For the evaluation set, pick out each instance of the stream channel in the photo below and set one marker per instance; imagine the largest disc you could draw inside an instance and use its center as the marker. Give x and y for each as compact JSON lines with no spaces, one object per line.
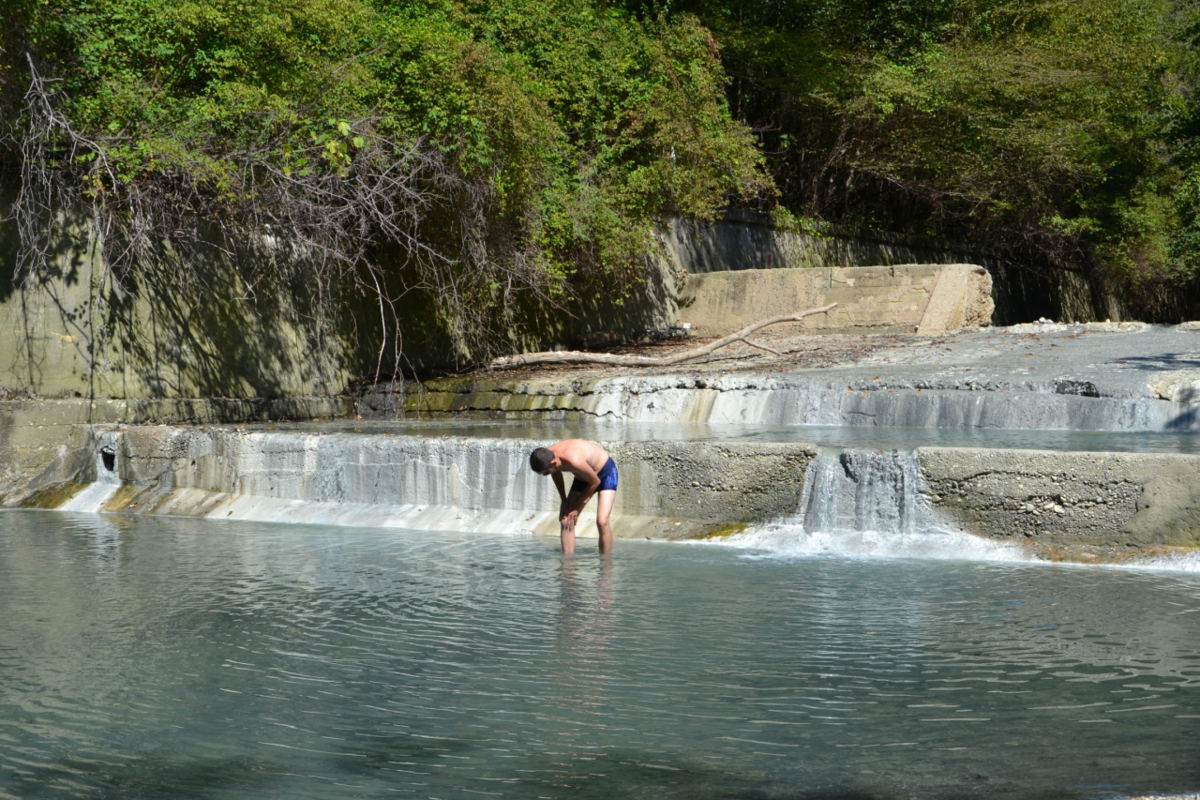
{"x":858,"y":648}
{"x":156,"y":657}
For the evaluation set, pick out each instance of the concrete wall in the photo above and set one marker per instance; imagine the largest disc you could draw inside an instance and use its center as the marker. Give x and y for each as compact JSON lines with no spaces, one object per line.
{"x":1118,"y":501}
{"x":668,"y":489}
{"x":909,"y":298}
{"x":1022,"y":292}
{"x":744,"y":240}
{"x":79,"y":330}
{"x":44,"y":443}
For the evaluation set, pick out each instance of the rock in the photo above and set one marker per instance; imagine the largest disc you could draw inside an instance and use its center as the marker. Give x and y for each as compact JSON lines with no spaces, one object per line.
{"x":1115,"y":327}
{"x":1178,"y":385}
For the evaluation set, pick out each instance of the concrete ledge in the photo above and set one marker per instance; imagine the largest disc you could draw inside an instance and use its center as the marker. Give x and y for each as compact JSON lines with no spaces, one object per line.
{"x":1129,"y":501}
{"x":1076,"y":505}
{"x":929,"y":298}
{"x":47,"y":442}
{"x":668,"y":489}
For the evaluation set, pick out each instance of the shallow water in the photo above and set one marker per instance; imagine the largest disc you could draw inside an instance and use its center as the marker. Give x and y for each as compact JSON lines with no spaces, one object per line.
{"x":823,"y":435}
{"x":168,"y":658}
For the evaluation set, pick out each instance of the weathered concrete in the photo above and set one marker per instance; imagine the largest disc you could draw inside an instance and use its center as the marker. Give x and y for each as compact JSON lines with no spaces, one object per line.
{"x":1059,"y":504}
{"x":75,"y":329}
{"x":962,"y":298}
{"x":1022,"y":292}
{"x":1069,"y":500}
{"x":805,"y":399}
{"x":1057,"y":377}
{"x":668,"y":489}
{"x":44,"y":443}
{"x":744,"y":240}
{"x":925,"y":298}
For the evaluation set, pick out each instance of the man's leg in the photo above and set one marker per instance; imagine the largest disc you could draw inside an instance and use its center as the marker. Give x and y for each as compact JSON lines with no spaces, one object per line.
{"x":604,"y":505}
{"x":567,"y":533}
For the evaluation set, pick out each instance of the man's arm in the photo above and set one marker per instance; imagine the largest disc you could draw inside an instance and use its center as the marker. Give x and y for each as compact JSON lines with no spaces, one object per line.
{"x":562,"y":493}
{"x":584,"y":472}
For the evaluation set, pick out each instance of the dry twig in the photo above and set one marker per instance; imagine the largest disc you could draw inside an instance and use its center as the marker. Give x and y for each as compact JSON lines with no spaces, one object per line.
{"x":578,"y":357}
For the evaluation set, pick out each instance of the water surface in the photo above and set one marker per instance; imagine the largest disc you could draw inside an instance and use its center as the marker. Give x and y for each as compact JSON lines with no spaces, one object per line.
{"x":162,"y":658}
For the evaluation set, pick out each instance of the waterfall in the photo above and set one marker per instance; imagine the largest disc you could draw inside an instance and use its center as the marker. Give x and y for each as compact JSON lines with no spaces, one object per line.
{"x":859,"y":502}
{"x":864,"y":490}
{"x":108,"y":477}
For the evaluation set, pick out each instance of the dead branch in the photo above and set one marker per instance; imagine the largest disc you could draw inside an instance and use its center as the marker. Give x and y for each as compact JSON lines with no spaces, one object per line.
{"x":578,"y":357}
{"x":761,"y":346}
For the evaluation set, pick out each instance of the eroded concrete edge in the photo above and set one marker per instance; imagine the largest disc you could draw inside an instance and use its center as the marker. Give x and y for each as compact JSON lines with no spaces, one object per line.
{"x":46,"y":443}
{"x":1074,"y":504}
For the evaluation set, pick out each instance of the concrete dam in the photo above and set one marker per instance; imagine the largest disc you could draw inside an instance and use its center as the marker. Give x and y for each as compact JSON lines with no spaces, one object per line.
{"x":1095,"y":461}
{"x":1063,"y":440}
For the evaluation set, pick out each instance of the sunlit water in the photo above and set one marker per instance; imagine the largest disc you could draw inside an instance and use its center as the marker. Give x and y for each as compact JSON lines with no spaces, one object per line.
{"x":160,"y":658}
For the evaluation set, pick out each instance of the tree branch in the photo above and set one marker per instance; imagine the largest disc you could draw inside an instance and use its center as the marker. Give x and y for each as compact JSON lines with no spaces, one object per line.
{"x":577,"y":357}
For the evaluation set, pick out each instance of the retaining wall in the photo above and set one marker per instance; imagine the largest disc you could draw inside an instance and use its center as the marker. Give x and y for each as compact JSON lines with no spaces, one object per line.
{"x":911,"y":298}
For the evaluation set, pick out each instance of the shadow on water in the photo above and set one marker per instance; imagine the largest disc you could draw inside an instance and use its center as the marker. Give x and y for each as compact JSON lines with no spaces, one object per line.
{"x":1163,"y":361}
{"x":585,"y":774}
{"x":390,"y":761}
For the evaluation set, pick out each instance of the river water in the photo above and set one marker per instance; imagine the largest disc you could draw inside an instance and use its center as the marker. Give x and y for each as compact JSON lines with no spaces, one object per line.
{"x":171,"y":658}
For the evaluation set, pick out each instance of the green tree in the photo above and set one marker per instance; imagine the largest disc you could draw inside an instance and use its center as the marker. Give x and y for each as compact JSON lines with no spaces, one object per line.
{"x":476,"y":153}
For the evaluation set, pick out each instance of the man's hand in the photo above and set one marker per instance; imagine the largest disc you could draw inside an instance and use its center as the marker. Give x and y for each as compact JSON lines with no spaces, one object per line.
{"x":568,"y":519}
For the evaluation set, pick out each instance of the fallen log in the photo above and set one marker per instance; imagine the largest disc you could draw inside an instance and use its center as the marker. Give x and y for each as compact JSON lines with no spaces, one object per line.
{"x":579,"y":357}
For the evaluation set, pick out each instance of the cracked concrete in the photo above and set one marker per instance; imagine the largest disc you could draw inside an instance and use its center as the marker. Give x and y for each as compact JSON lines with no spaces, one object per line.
{"x":1122,"y":500}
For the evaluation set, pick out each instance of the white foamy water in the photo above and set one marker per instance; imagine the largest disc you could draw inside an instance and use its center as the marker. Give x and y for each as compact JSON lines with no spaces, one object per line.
{"x":861,"y":503}
{"x":1175,"y":562}
{"x":791,"y":540}
{"x":92,"y":497}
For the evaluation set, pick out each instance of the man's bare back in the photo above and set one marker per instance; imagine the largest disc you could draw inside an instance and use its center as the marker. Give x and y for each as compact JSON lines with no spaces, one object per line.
{"x":594,"y":472}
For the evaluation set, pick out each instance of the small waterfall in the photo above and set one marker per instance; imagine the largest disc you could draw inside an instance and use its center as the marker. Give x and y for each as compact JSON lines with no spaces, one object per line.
{"x":108,"y":477}
{"x":859,"y":502}
{"x":863,"y":490}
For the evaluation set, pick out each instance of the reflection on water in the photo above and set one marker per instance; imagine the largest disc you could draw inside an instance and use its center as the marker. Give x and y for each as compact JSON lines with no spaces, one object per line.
{"x":150,"y":657}
{"x":824,"y":435}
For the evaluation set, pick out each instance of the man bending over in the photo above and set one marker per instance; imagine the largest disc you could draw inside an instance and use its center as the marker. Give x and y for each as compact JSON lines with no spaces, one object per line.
{"x":594,"y":472}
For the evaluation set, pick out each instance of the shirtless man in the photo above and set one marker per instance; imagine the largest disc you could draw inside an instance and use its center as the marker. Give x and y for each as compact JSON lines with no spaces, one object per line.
{"x":594,"y":472}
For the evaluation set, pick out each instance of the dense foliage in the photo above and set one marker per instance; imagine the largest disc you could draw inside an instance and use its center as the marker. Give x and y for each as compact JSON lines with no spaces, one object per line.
{"x":1050,"y":134}
{"x":475,"y":152}
{"x":482,"y":153}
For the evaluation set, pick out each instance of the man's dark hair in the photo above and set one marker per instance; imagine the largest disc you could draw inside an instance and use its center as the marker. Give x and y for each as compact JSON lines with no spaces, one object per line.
{"x":541,"y":459}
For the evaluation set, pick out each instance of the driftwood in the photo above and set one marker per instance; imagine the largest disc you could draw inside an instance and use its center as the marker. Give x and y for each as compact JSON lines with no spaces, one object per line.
{"x":578,"y":357}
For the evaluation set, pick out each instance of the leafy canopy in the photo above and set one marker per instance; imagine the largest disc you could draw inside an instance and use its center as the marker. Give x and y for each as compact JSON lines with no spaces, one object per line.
{"x":553,"y":132}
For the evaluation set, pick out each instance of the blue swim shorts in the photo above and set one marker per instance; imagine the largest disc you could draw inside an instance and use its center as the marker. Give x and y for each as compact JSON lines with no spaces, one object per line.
{"x":607,"y":475}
